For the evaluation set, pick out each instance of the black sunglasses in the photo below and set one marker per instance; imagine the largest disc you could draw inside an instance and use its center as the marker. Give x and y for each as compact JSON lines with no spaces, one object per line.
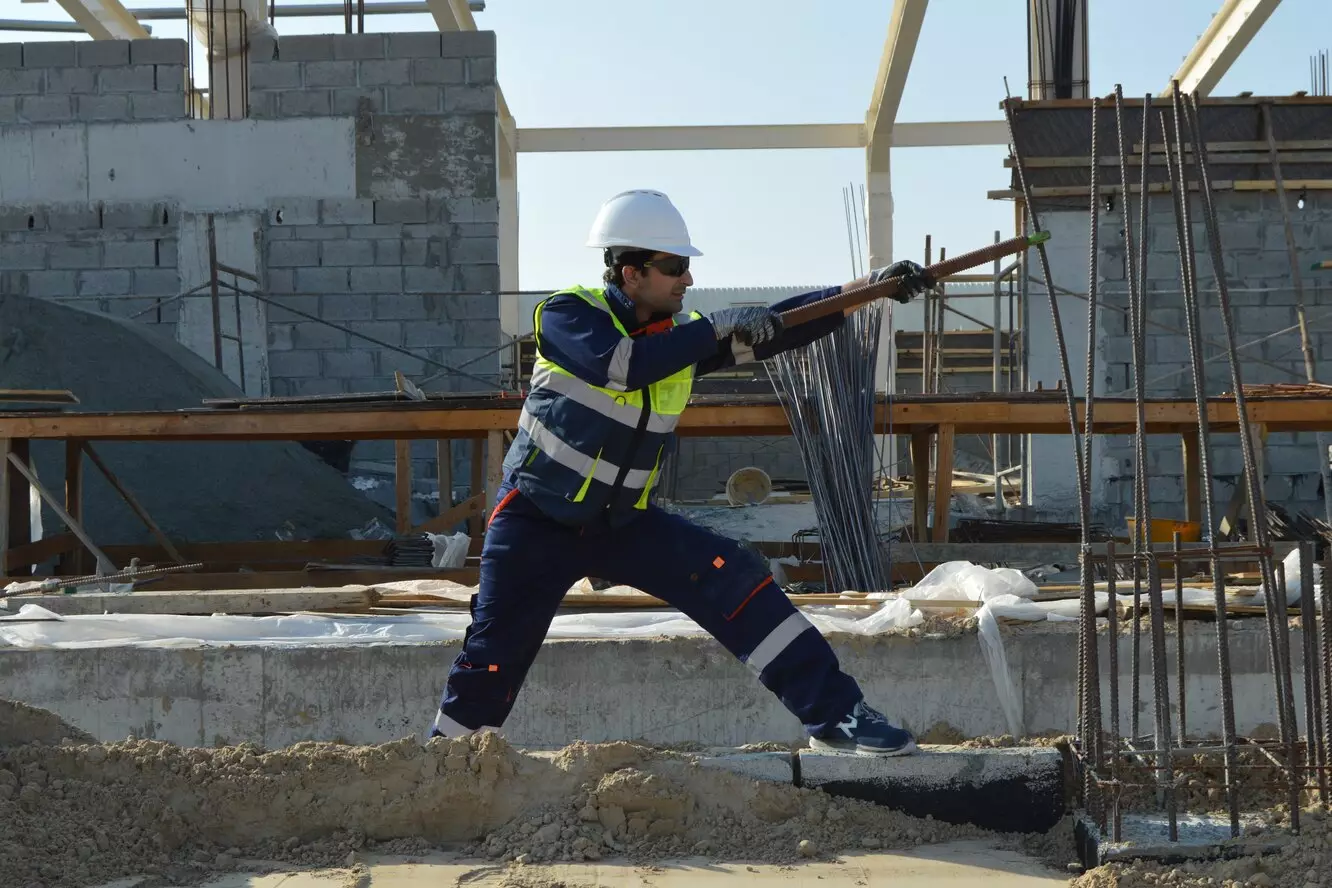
{"x":671,"y":266}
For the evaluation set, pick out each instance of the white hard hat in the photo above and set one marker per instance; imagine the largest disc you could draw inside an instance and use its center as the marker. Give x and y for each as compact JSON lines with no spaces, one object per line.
{"x":644,"y":219}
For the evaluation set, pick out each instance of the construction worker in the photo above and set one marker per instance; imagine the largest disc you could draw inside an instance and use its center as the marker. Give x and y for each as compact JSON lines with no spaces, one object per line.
{"x":613,"y":374}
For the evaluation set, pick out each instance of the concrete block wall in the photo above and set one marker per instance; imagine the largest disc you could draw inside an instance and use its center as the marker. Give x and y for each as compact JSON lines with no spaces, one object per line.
{"x":115,"y":258}
{"x":335,"y":74}
{"x":704,"y":464}
{"x":92,"y":80}
{"x":405,"y":273}
{"x":1262,"y":295}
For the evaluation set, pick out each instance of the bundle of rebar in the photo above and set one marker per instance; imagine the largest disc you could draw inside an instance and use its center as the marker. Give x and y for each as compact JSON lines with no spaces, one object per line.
{"x":827,"y":390}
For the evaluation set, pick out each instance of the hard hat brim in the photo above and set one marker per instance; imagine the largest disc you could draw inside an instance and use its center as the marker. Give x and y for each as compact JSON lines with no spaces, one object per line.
{"x":674,"y":249}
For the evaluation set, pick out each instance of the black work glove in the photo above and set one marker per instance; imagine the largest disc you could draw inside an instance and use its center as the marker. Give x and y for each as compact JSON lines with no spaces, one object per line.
{"x":751,"y":324}
{"x":915,"y":281}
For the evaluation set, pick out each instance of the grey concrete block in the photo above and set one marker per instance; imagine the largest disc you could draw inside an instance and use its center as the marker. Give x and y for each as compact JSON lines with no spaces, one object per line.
{"x":347,"y":252}
{"x":387,"y":252}
{"x":1245,"y":235}
{"x":51,"y":54}
{"x":158,"y":106}
{"x":413,"y":45}
{"x":375,"y":232}
{"x":481,"y":71}
{"x":263,"y":105}
{"x":46,"y":109}
{"x":263,"y":48}
{"x":389,"y":332}
{"x":465,"y":306}
{"x":407,"y":210}
{"x":19,"y":218}
{"x":8,"y":109}
{"x":294,"y":364}
{"x":280,"y":280}
{"x":414,"y":99}
{"x":170,"y":78}
{"x":472,"y":209}
{"x":415,"y":252}
{"x":322,"y":386}
{"x":77,"y":254}
{"x":293,"y":211}
{"x":348,"y":364}
{"x":306,"y":103}
{"x":288,"y":306}
{"x":484,"y":333}
{"x":427,"y":280}
{"x":470,"y":100}
{"x":52,"y":284}
{"x":1267,"y":264}
{"x":130,"y":254}
{"x":347,"y":211}
{"x":132,"y":78}
{"x":376,"y":280}
{"x":359,"y":46}
{"x":18,"y":257}
{"x":330,"y":74}
{"x":279,"y":335}
{"x":401,"y":307}
{"x":474,"y":251}
{"x":134,"y":215}
{"x":70,"y":80}
{"x":435,"y":334}
{"x":386,"y":72}
{"x":346,"y":307}
{"x":358,"y":101}
{"x":319,"y":232}
{"x":11,"y":55}
{"x":21,"y":82}
{"x":314,"y":335}
{"x":157,"y":52}
{"x":275,"y":75}
{"x":321,"y":280}
{"x":95,"y":108}
{"x":477,"y":230}
{"x":305,"y":47}
{"x":287,"y":254}
{"x":462,"y":44}
{"x":103,"y":53}
{"x":112,"y":282}
{"x":156,"y":282}
{"x":167,"y":253}
{"x":479,"y":278}
{"x":438,"y":71}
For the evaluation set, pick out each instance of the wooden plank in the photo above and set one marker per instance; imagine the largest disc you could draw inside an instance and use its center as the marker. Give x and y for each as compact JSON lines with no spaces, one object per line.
{"x":444,"y":472}
{"x":72,"y":561}
{"x":132,"y":502}
{"x":226,"y":601}
{"x":1192,"y":478}
{"x":46,"y":548}
{"x":1253,"y":157}
{"x":494,"y":468}
{"x":7,"y":512}
{"x":402,"y":479}
{"x":943,"y":482}
{"x":444,"y":522}
{"x":254,"y":552}
{"x":477,"y":525}
{"x":103,"y":563}
{"x":39,"y":396}
{"x":297,"y":579}
{"x":920,"y":476}
{"x":20,"y":517}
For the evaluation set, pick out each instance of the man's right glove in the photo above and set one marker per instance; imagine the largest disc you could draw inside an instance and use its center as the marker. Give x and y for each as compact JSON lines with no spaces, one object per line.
{"x":751,"y":324}
{"x":915,"y":280}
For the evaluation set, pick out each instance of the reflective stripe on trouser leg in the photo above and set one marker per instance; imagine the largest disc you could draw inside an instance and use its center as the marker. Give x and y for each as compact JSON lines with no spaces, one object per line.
{"x":777,"y":641}
{"x":449,"y":728}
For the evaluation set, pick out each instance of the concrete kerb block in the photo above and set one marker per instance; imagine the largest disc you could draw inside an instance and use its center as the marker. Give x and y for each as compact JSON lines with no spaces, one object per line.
{"x":103,"y":53}
{"x":305,"y":48}
{"x":11,"y":55}
{"x":412,"y":45}
{"x":359,"y":46}
{"x":157,"y":52}
{"x":466,"y":44}
{"x":1017,"y":789}
{"x":54,"y":54}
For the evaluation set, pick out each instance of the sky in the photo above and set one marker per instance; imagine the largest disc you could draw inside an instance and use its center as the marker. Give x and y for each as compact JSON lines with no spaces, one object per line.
{"x":769,"y":218}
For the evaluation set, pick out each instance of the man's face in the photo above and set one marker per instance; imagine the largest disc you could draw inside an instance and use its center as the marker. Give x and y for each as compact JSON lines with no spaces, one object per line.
{"x":660,"y":286}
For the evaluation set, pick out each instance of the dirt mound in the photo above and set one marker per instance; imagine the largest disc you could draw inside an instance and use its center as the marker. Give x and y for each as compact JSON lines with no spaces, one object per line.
{"x":21,"y":724}
{"x":81,"y":814}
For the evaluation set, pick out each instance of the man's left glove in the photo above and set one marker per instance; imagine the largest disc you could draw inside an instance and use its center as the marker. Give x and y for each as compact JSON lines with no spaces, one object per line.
{"x":915,"y":280}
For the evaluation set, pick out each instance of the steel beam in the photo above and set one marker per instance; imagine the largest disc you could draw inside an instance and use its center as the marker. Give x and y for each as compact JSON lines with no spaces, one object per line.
{"x":104,"y":19}
{"x":1229,"y":32}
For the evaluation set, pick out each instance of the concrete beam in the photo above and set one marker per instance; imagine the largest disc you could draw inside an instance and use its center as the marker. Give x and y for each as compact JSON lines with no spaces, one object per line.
{"x":104,"y":19}
{"x":451,"y":15}
{"x":1231,"y":29}
{"x":933,"y":134}
{"x":894,"y":65}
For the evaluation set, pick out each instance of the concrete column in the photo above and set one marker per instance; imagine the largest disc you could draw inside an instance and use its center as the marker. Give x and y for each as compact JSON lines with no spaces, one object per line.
{"x":508,"y":238}
{"x":879,"y":241}
{"x":224,"y":36}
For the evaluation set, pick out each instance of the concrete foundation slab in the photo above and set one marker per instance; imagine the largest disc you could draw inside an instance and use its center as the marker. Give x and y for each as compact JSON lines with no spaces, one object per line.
{"x":1147,"y":837}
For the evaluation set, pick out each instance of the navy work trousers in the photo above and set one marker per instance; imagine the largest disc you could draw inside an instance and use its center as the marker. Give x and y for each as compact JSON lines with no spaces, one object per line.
{"x":529,"y":561}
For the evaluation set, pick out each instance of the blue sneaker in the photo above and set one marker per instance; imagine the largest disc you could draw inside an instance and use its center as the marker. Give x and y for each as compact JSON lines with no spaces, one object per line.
{"x":865,"y":731}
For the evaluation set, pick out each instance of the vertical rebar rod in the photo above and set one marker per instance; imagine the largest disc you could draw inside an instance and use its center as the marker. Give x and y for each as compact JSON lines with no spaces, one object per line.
{"x":1325,"y":653}
{"x":1112,"y":650}
{"x":1180,"y":673}
{"x":1165,"y":775}
{"x":212,"y":284}
{"x":1257,"y":503}
{"x":1093,"y":723}
{"x":1183,"y":235}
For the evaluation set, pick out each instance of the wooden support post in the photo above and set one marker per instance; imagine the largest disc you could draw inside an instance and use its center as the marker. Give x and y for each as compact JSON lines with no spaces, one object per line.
{"x":477,"y":524}
{"x":494,"y":467}
{"x":920,"y":484}
{"x":4,"y":506}
{"x":444,"y":473}
{"x":20,"y":515}
{"x":402,"y":474}
{"x":104,"y":565}
{"x":1193,"y":480}
{"x":943,"y":482}
{"x":73,"y":563}
{"x":132,"y":502}
{"x":1258,"y":435}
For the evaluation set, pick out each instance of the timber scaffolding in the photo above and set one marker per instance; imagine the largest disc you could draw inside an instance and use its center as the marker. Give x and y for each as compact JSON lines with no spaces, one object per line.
{"x":1109,"y":157}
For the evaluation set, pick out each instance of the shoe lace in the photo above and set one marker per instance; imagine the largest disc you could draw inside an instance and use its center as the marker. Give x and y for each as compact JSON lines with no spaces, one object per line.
{"x":867,"y":713}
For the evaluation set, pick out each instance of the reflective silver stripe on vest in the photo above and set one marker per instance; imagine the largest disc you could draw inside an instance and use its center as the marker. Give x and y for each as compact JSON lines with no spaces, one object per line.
{"x":777,"y":641}
{"x":576,"y":390}
{"x":572,"y":458}
{"x":618,"y":374}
